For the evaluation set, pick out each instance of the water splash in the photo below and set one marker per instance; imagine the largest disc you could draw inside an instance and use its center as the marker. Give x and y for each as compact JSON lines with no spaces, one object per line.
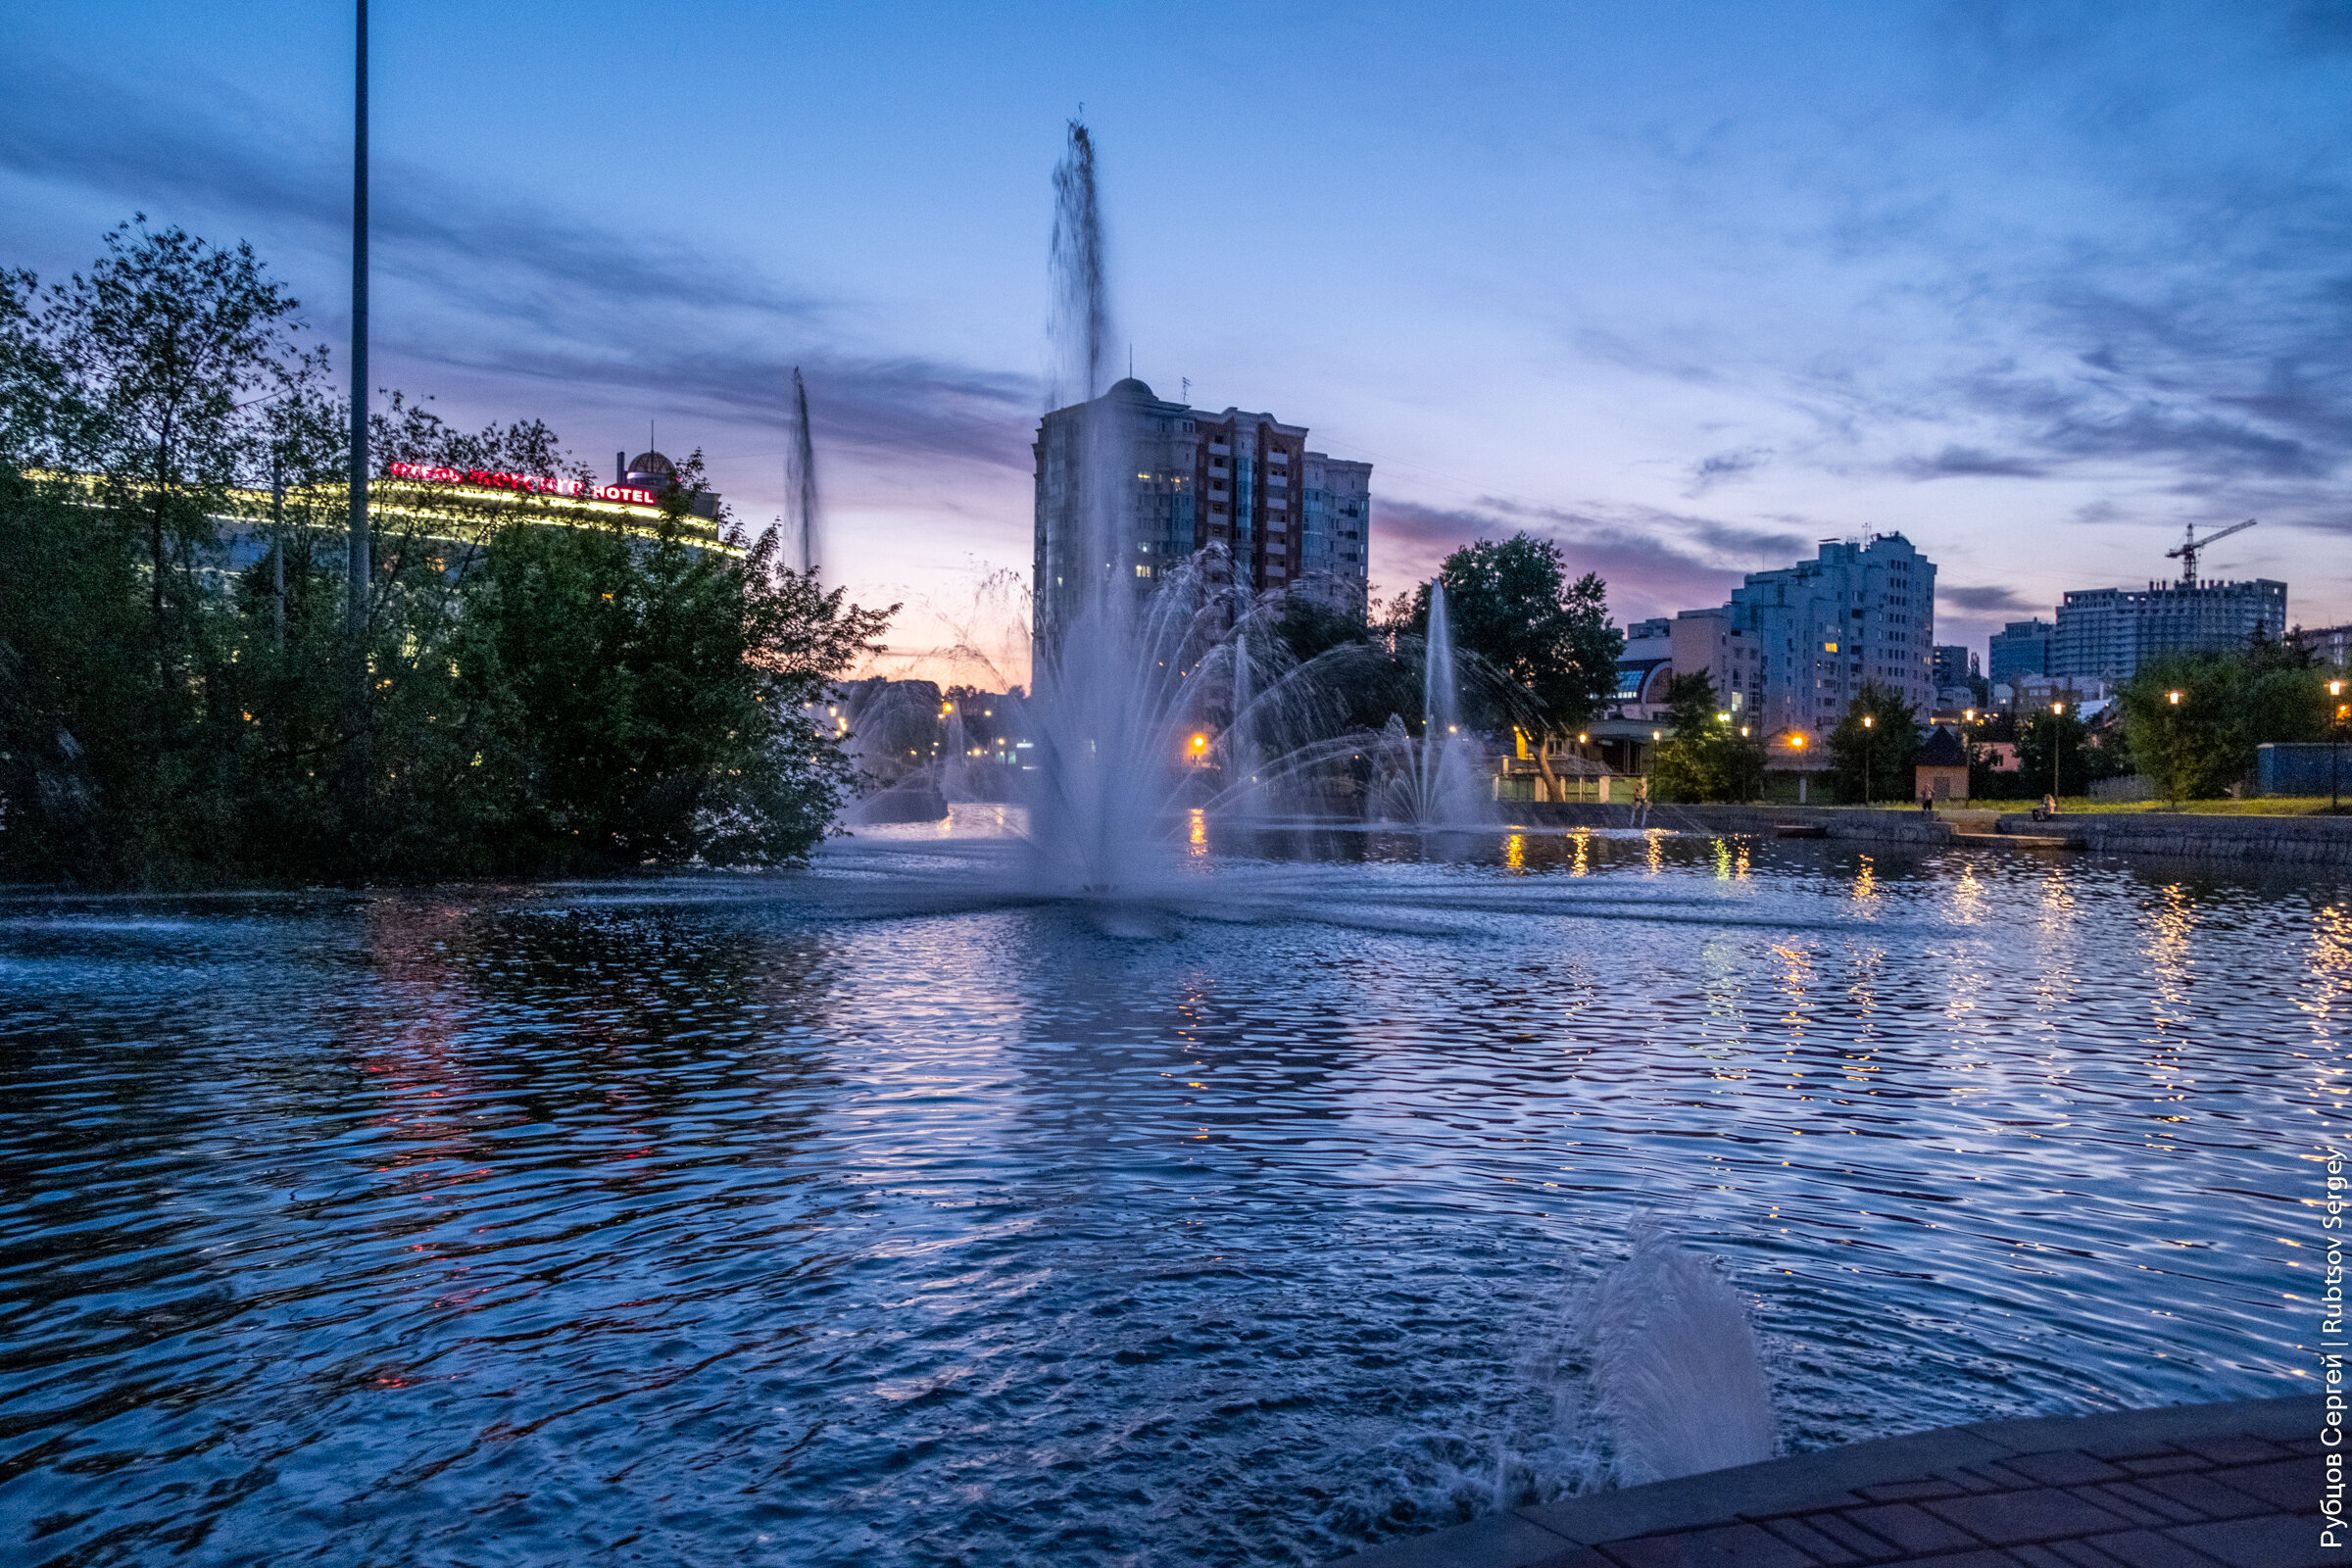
{"x":1440,"y":779}
{"x":799,"y":476}
{"x":1676,"y":1372}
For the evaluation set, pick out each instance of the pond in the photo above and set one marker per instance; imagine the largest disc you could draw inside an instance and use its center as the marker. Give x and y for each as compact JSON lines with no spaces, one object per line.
{"x":875,"y":1215}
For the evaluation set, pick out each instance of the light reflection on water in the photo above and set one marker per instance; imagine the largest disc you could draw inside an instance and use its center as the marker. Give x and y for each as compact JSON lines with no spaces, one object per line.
{"x":866,"y":1216}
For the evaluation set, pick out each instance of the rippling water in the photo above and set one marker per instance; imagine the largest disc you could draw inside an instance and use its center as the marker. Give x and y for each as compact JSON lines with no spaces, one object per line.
{"x":865,"y":1217}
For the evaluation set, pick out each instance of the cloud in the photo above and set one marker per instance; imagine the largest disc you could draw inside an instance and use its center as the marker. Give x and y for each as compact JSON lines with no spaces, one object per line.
{"x":1655,"y":562}
{"x":1983,"y":599}
{"x":1724,"y":467}
{"x":1974,"y":463}
{"x":575,"y":306}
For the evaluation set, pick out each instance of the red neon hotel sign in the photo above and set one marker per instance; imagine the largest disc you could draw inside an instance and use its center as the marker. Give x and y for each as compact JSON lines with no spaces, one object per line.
{"x":627,"y":495}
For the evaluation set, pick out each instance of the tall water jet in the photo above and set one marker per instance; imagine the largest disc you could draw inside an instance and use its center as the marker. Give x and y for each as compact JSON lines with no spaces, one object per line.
{"x":1109,"y":652}
{"x":1436,"y":781}
{"x":799,"y":478}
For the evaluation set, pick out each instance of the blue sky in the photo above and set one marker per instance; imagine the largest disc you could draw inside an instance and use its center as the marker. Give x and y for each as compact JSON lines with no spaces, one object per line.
{"x":1686,"y":288}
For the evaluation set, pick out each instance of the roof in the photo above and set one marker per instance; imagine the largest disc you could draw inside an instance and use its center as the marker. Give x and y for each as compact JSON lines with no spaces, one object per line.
{"x":652,"y":463}
{"x":1942,"y":748}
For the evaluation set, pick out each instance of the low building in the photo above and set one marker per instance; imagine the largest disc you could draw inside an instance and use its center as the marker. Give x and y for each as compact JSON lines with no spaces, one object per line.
{"x":1939,"y":771}
{"x":2331,"y":643}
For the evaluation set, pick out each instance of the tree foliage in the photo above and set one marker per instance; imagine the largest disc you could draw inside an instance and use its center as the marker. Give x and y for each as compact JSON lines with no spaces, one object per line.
{"x":1512,"y":607}
{"x":1874,"y":761}
{"x":2230,"y":704}
{"x":1704,"y":757}
{"x":544,"y":691}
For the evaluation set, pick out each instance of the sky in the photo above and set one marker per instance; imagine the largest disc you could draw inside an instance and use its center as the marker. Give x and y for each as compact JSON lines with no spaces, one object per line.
{"x":1684,"y":288}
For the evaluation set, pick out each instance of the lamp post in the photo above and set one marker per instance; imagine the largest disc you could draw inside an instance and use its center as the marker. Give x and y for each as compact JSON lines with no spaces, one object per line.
{"x":2057,"y":711}
{"x":2335,"y":737}
{"x":1870,"y":732}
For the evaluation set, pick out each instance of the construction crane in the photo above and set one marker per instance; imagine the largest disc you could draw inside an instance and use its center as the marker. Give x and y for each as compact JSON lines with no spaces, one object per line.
{"x":2186,"y":555}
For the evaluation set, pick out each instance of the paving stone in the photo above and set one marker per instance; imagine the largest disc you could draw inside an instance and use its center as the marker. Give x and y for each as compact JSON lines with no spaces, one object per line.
{"x":2064,"y":1468}
{"x":1974,"y":1559}
{"x":2145,"y":1548}
{"x":1909,"y":1490}
{"x":1732,"y":1546}
{"x":2239,"y":1450}
{"x":2011,"y":1518}
{"x":2002,"y":1477}
{"x":2080,"y":1554}
{"x":2129,"y":1446}
{"x":1861,"y":1543}
{"x":2127,"y":1508}
{"x":2038,"y":1558}
{"x":1821,"y":1548}
{"x":1968,"y":1480}
{"x":2164,"y":1509}
{"x":2208,"y":1497}
{"x":1914,"y":1531}
{"x":2275,"y":1542}
{"x":2165,"y":1463}
{"x":2291,"y":1485}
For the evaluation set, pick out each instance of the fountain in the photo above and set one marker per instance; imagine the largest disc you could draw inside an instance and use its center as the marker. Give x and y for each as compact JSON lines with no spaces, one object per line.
{"x":1436,"y":781}
{"x":1125,"y":672}
{"x":799,"y":478}
{"x":1676,"y":1367}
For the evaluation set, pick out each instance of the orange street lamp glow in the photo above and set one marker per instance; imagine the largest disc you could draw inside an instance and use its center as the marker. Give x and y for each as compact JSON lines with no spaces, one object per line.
{"x":1796,"y":743}
{"x":1200,"y":742}
{"x":2172,"y":698}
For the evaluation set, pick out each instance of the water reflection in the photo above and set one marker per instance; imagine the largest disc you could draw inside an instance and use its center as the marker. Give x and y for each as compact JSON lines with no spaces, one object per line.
{"x":872,"y":1216}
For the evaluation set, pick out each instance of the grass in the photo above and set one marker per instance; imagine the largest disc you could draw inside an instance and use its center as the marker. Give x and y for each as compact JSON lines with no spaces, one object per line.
{"x":2075,"y":806}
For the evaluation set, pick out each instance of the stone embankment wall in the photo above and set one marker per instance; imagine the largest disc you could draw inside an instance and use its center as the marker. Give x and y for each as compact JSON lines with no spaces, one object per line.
{"x":2267,"y":840}
{"x":1885,"y":827}
{"x":2315,"y":840}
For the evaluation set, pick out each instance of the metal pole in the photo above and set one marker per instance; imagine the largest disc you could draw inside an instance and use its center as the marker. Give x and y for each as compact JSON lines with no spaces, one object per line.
{"x":278,"y":550}
{"x":356,"y":614}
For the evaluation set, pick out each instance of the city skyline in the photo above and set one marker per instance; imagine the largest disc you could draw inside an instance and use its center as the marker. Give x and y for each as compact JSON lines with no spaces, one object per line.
{"x":2018,"y":283}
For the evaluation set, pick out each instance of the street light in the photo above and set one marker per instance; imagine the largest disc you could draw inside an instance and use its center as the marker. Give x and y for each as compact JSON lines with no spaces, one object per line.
{"x":1869,"y":736}
{"x":2056,"y":710}
{"x":2335,"y":739}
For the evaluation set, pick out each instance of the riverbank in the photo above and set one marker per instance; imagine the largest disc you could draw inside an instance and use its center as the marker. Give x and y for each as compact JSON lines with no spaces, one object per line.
{"x":2236,"y":1483}
{"x":2313,"y":840}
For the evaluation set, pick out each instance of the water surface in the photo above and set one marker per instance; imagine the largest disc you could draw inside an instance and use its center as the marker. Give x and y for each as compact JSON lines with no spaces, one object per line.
{"x":870,"y":1216}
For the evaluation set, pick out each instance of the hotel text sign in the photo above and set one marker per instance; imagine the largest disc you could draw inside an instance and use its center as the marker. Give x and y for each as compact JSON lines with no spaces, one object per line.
{"x":628,"y":495}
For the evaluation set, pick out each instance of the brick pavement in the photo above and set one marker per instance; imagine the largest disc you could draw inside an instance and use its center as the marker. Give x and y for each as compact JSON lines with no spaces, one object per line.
{"x":2218,"y":1486}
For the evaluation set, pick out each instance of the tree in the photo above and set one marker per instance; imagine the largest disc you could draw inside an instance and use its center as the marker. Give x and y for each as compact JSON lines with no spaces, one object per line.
{"x":1511,"y":606}
{"x":544,"y":691}
{"x":1704,"y":758}
{"x":1873,"y":761}
{"x":2230,"y":703}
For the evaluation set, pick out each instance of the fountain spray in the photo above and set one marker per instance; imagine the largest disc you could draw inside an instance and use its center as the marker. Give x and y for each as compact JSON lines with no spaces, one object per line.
{"x":799,"y":476}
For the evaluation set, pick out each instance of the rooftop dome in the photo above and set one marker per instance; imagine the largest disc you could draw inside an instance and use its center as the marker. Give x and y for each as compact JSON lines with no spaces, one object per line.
{"x":1132,"y":389}
{"x":652,"y":463}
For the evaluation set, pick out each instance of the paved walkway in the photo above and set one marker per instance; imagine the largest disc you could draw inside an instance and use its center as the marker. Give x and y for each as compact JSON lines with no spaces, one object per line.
{"x":2191,"y":1485}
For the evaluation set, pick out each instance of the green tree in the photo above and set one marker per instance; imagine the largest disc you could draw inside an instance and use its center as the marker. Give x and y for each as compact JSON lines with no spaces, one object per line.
{"x":2229,"y":704}
{"x":1512,"y":607}
{"x":1873,"y":749}
{"x":1704,"y":758}
{"x":544,"y":691}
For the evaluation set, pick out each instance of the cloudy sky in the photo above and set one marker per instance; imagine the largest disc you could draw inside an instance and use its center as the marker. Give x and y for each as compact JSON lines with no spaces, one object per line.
{"x":1686,"y":288}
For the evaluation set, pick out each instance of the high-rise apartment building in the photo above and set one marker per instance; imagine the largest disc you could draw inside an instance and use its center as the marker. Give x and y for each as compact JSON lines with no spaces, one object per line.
{"x":1953,"y":666}
{"x":1795,"y":647}
{"x":1799,"y":644}
{"x":2020,"y":647}
{"x":1287,"y":516}
{"x":2105,"y":634}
